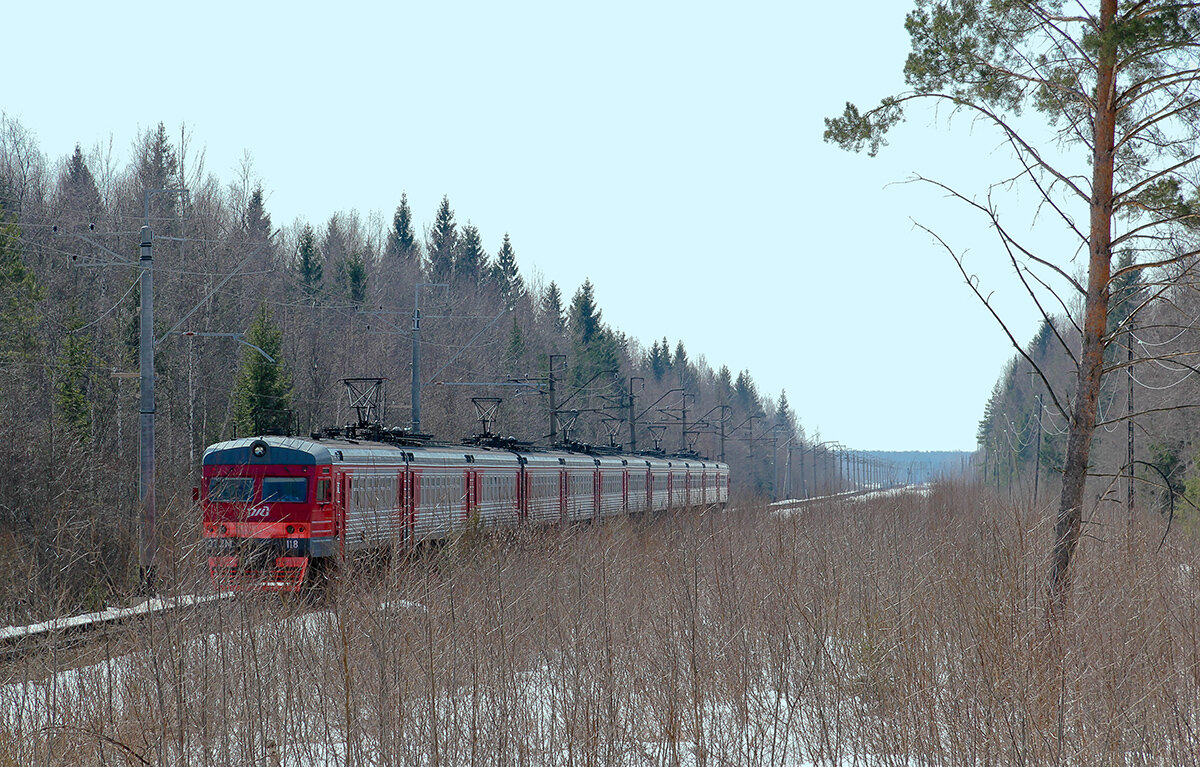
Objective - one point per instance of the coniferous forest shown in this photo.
(258, 321)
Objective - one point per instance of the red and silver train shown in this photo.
(276, 507)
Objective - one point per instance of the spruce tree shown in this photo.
(262, 390)
(506, 276)
(595, 346)
(584, 316)
(552, 309)
(785, 419)
(256, 222)
(20, 293)
(679, 363)
(659, 359)
(516, 345)
(79, 196)
(443, 243)
(352, 278)
(724, 385)
(158, 168)
(309, 268)
(745, 394)
(470, 261)
(72, 372)
(402, 246)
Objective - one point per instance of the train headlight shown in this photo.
(258, 449)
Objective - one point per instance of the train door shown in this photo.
(470, 493)
(407, 506)
(563, 480)
(625, 488)
(597, 489)
(522, 490)
(477, 492)
(670, 488)
(342, 490)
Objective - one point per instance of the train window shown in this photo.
(284, 490)
(324, 490)
(231, 489)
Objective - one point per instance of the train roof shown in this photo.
(278, 450)
(301, 451)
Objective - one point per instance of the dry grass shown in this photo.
(905, 631)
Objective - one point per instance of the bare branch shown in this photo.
(1012, 339)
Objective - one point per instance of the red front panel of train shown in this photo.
(260, 522)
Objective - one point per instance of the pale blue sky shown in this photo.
(670, 152)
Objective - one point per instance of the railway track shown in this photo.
(17, 641)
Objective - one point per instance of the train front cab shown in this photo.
(268, 512)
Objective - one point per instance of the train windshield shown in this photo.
(231, 489)
(284, 489)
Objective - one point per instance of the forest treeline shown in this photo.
(1148, 418)
(257, 323)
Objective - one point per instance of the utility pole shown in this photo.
(148, 537)
(416, 360)
(774, 461)
(803, 481)
(632, 410)
(416, 352)
(723, 435)
(683, 446)
(816, 489)
(1037, 456)
(787, 471)
(553, 403)
(147, 549)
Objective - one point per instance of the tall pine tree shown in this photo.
(1113, 81)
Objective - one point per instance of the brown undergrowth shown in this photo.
(904, 630)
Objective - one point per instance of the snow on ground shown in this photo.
(112, 615)
(783, 735)
(857, 496)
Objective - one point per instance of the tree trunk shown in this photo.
(1087, 392)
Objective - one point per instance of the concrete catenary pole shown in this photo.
(416, 360)
(632, 410)
(553, 394)
(147, 535)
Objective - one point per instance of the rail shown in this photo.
(12, 638)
